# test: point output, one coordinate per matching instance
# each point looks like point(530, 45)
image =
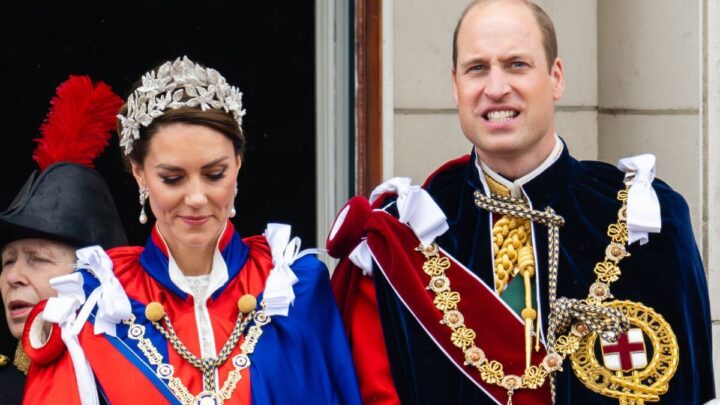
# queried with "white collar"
point(515, 187)
point(218, 273)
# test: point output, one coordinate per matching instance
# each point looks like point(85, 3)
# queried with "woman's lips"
point(19, 309)
point(195, 220)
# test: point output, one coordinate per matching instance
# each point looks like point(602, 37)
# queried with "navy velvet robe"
point(666, 274)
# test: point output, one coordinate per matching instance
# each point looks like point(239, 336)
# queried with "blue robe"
point(665, 274)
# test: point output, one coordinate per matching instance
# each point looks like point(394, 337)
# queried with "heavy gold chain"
point(607, 320)
point(208, 365)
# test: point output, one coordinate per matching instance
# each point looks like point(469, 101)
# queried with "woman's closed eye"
point(40, 259)
point(171, 179)
point(215, 176)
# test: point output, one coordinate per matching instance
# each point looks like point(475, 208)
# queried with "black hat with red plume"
point(68, 201)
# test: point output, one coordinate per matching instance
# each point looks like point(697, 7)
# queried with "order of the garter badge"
point(636, 365)
point(630, 370)
point(635, 362)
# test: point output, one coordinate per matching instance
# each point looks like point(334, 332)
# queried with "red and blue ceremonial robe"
point(299, 358)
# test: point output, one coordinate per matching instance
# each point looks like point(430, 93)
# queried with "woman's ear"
point(138, 173)
point(238, 161)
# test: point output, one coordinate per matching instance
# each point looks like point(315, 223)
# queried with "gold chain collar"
point(207, 366)
point(534, 376)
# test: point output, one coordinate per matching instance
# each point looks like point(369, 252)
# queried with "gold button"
point(247, 303)
point(154, 311)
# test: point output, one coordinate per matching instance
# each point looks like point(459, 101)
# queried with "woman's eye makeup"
point(170, 179)
point(170, 176)
point(216, 175)
point(212, 174)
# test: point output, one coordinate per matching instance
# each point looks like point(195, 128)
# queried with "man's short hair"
point(547, 29)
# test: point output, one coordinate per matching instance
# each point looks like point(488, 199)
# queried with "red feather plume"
point(77, 128)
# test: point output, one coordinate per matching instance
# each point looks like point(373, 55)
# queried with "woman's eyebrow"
point(215, 162)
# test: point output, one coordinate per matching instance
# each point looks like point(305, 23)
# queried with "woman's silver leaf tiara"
point(177, 84)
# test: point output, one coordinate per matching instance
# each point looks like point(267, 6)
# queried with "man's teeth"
point(499, 116)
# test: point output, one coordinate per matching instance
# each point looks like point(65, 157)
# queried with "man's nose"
point(497, 85)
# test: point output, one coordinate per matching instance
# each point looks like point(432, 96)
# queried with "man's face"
point(502, 87)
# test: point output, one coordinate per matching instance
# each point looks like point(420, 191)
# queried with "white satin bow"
point(113, 304)
point(643, 207)
point(113, 307)
point(415, 208)
point(279, 294)
point(62, 310)
point(362, 257)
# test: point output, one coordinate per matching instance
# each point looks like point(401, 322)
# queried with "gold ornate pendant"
point(625, 372)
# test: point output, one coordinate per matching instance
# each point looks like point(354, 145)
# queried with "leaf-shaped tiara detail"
point(178, 84)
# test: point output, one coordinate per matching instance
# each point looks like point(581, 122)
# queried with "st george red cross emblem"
point(628, 353)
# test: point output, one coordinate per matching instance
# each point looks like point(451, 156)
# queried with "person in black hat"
point(64, 207)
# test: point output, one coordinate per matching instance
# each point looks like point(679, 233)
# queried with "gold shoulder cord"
point(582, 321)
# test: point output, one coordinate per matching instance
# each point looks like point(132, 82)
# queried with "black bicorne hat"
point(68, 201)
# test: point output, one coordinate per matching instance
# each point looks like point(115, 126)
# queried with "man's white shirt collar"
point(515, 187)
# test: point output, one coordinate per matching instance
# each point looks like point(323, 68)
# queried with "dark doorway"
point(264, 48)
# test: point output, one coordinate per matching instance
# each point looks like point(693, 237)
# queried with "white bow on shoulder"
point(643, 207)
point(113, 307)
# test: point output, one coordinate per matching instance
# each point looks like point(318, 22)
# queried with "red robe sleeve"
point(51, 378)
point(52, 383)
point(357, 301)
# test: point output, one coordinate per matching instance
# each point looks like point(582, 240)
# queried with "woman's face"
point(190, 172)
point(27, 267)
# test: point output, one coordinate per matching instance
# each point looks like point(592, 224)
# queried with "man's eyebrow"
point(473, 61)
point(517, 55)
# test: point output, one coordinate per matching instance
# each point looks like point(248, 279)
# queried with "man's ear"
point(558, 79)
point(454, 82)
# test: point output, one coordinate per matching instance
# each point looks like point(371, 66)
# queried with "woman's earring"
point(144, 193)
point(233, 212)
